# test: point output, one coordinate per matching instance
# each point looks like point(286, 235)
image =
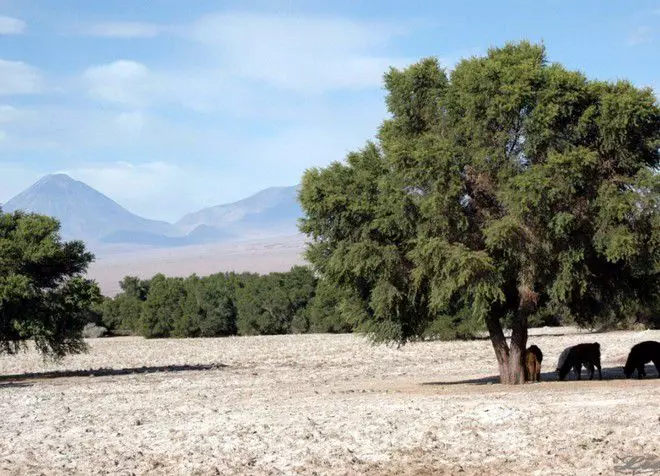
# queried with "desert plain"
point(323, 404)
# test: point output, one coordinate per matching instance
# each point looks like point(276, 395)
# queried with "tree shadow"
point(609, 373)
point(105, 372)
point(472, 381)
point(4, 385)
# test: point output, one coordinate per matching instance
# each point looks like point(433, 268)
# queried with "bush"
point(92, 331)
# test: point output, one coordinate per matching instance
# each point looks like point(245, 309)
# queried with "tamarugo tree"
point(44, 296)
point(508, 188)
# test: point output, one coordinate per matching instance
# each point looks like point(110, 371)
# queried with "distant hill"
point(87, 214)
point(201, 235)
point(271, 212)
point(84, 213)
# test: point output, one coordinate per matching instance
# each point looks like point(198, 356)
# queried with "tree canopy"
point(43, 294)
point(507, 189)
point(225, 304)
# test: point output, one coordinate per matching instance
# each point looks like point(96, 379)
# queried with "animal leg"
point(641, 373)
point(578, 371)
point(590, 367)
point(656, 362)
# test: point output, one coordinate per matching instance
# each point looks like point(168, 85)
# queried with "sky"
point(170, 106)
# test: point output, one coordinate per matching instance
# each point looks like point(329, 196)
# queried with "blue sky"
point(170, 106)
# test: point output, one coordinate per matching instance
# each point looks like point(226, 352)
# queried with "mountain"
point(88, 215)
point(84, 213)
point(273, 211)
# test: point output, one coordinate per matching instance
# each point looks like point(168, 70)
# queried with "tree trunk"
point(518, 346)
point(510, 359)
point(500, 346)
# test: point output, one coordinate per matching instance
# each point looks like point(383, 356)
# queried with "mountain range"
point(86, 214)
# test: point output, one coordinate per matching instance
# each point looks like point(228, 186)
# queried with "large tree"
point(43, 294)
point(510, 188)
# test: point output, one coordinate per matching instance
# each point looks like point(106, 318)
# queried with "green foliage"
point(270, 304)
point(324, 312)
point(124, 311)
point(43, 295)
point(511, 191)
point(162, 313)
point(208, 309)
point(224, 304)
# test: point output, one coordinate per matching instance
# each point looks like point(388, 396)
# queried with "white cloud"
point(122, 81)
point(289, 54)
point(125, 30)
point(308, 54)
point(76, 130)
point(131, 122)
point(640, 35)
point(8, 114)
point(17, 77)
point(134, 84)
point(11, 26)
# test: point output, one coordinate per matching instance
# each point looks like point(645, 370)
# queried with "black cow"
point(640, 354)
point(577, 356)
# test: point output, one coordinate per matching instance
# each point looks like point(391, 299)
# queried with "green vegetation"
point(225, 304)
point(42, 293)
point(507, 192)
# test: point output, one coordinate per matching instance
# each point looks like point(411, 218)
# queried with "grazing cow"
point(577, 356)
point(533, 359)
point(640, 354)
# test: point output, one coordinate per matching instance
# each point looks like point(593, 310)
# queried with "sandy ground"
point(323, 404)
point(257, 256)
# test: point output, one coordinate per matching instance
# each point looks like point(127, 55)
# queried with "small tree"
point(123, 312)
point(162, 308)
point(509, 190)
point(207, 309)
point(217, 301)
point(43, 295)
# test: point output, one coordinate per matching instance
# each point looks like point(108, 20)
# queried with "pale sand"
point(324, 404)
point(257, 256)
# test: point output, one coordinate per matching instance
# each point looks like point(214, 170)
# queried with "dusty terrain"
point(256, 256)
point(323, 404)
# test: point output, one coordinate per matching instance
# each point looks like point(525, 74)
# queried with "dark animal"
point(577, 356)
point(639, 355)
point(533, 359)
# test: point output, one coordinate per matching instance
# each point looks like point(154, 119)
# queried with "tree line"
point(224, 304)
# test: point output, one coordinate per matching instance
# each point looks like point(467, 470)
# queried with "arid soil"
point(323, 404)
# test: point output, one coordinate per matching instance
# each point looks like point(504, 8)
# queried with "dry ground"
point(323, 404)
